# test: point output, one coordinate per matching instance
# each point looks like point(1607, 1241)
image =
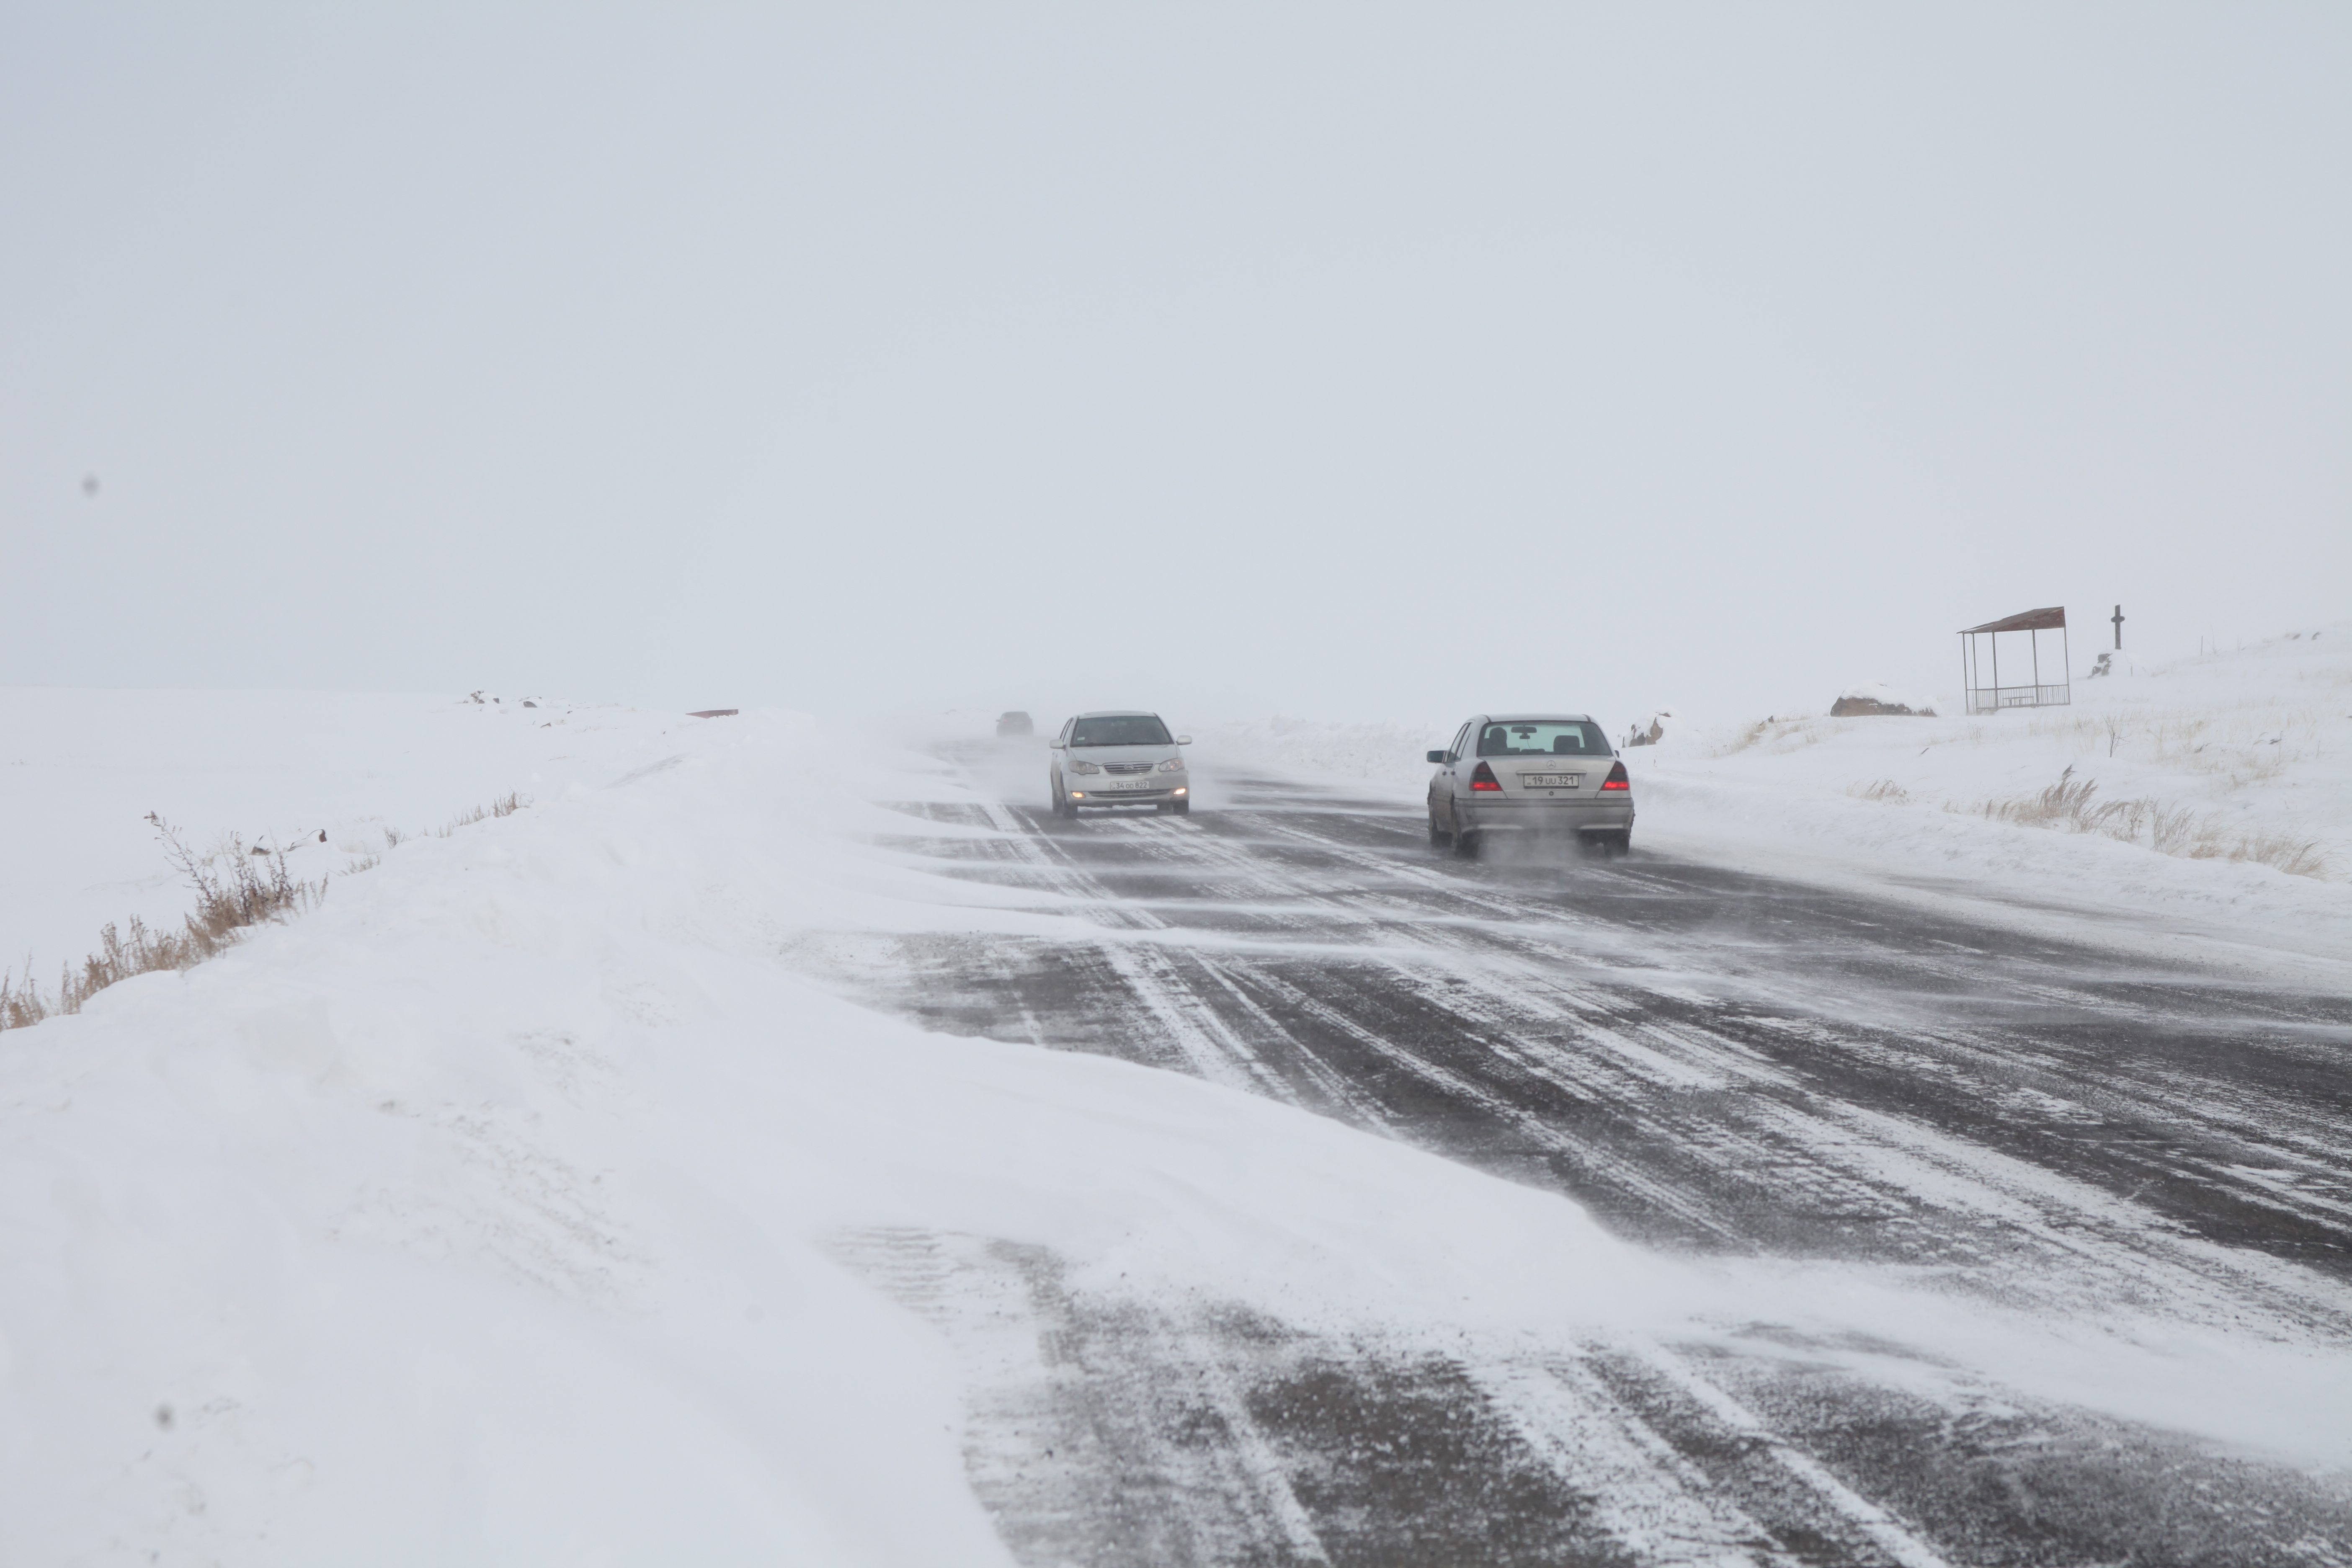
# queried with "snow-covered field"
point(486, 1213)
point(2201, 806)
point(83, 768)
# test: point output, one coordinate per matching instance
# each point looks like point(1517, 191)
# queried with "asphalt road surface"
point(1709, 1063)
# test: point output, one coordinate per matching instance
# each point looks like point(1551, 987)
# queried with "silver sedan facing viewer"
point(1115, 758)
point(1530, 773)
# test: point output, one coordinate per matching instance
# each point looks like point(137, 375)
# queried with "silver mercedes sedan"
point(1530, 773)
point(1120, 759)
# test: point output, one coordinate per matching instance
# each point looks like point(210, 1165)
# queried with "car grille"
point(1127, 767)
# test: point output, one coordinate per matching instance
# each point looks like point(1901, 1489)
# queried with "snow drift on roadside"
point(2221, 760)
point(85, 767)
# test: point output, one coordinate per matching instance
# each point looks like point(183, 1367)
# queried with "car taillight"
point(1617, 779)
point(1484, 778)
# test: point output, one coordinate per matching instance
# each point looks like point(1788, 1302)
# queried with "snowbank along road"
point(2069, 1234)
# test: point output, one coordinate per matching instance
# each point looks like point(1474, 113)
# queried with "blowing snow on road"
point(1997, 1222)
point(709, 1160)
point(784, 785)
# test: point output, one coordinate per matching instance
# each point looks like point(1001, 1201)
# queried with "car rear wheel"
point(1438, 837)
point(1466, 844)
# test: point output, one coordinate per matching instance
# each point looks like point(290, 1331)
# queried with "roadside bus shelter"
point(1980, 672)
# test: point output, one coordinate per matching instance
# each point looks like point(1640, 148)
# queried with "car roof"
point(1533, 718)
point(1120, 713)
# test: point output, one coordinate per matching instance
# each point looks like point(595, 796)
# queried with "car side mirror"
point(1438, 757)
point(1183, 740)
point(1056, 745)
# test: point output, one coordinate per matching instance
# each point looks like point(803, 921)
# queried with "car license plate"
point(1550, 781)
point(1127, 784)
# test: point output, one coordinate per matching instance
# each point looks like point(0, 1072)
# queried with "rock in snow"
point(1866, 698)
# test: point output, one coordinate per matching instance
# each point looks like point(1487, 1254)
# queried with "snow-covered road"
point(1834, 1095)
point(727, 1160)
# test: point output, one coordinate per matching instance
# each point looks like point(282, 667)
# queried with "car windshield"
point(1543, 738)
point(1121, 730)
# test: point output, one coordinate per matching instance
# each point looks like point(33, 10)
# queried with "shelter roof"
point(2048, 620)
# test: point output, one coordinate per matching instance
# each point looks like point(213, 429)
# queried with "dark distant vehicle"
point(1530, 773)
point(1121, 758)
point(1013, 724)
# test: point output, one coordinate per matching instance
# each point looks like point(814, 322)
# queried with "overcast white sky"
point(1347, 359)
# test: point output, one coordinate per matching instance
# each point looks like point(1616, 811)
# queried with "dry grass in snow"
point(2072, 803)
point(505, 806)
point(255, 887)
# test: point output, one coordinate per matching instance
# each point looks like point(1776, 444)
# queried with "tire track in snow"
point(2011, 1222)
point(1418, 987)
point(1114, 1432)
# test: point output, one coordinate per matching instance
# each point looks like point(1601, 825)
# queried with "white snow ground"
point(482, 1215)
point(83, 768)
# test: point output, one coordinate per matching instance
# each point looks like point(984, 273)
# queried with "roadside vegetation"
point(2073, 803)
point(236, 885)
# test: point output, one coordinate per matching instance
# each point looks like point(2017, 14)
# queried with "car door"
point(1061, 748)
point(1450, 777)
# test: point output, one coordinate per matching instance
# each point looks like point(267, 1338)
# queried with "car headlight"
point(1086, 767)
point(1172, 765)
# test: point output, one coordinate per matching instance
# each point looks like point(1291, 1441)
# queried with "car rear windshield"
point(1543, 738)
point(1121, 730)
